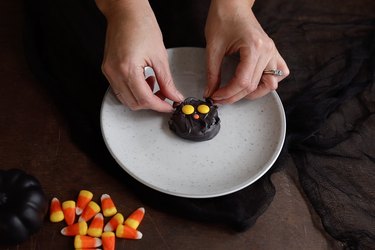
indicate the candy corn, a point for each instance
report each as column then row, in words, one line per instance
column 108, row 240
column 108, row 206
column 114, row 222
column 79, row 228
column 90, row 211
column 82, row 241
column 135, row 218
column 94, row 235
column 126, row 232
column 96, row 227
column 56, row 213
column 69, row 210
column 84, row 197
column 87, row 248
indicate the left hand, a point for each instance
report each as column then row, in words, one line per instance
column 232, row 27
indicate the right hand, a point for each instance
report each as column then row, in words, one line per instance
column 232, row 27
column 133, row 41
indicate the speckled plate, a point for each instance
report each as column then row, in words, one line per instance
column 250, row 140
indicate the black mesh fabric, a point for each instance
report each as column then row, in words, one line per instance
column 329, row 100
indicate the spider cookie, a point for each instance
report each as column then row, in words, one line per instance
column 195, row 120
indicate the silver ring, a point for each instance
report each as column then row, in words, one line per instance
column 274, row 72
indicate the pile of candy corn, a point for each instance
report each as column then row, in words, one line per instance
column 89, row 230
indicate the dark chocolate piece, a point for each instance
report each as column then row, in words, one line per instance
column 195, row 119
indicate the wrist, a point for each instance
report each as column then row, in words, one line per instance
column 232, row 3
column 230, row 9
column 111, row 8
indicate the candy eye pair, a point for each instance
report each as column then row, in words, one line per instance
column 189, row 109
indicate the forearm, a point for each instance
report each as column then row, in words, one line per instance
column 233, row 2
column 130, row 8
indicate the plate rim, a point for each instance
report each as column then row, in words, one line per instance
column 235, row 188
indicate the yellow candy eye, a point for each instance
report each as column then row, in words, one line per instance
column 188, row 109
column 203, row 109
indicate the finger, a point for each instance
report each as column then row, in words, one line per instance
column 144, row 97
column 238, row 96
column 151, row 80
column 120, row 90
column 261, row 90
column 281, row 64
column 124, row 95
column 214, row 59
column 242, row 81
column 269, row 83
column 165, row 81
column 159, row 105
column 266, row 83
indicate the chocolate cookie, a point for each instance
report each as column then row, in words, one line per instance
column 195, row 119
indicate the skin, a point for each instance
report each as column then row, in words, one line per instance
column 134, row 40
column 231, row 27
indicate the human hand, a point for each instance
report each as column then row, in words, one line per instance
column 231, row 27
column 133, row 41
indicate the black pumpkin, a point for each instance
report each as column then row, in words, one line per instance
column 23, row 206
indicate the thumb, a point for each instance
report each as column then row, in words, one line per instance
column 166, row 84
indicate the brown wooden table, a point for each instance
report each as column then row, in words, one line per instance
column 34, row 137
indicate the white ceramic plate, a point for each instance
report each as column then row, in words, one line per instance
column 250, row 140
